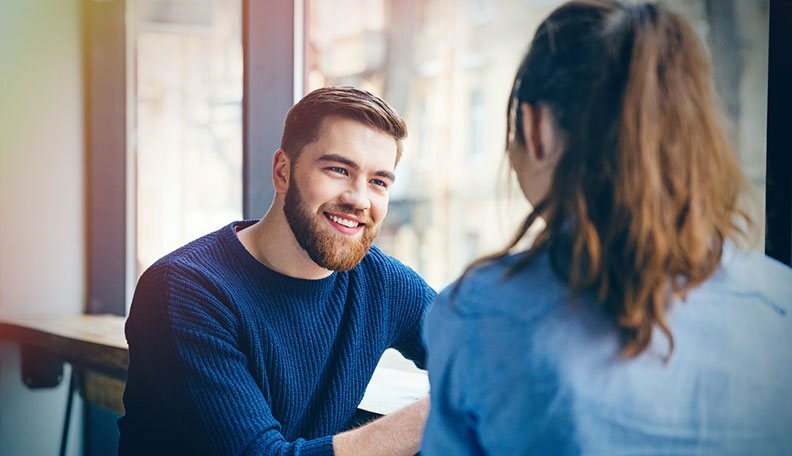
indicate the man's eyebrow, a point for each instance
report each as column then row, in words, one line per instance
column 386, row 174
column 339, row 159
column 344, row 160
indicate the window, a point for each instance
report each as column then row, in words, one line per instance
column 424, row 56
column 481, row 11
column 434, row 60
column 736, row 34
column 476, row 124
column 448, row 71
column 187, row 135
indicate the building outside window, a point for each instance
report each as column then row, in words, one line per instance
column 186, row 139
column 448, row 65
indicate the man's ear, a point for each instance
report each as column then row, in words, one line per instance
column 281, row 171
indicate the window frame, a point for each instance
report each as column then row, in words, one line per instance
column 778, row 203
column 105, row 69
column 274, row 31
column 271, row 32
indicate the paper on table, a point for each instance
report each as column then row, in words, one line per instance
column 391, row 389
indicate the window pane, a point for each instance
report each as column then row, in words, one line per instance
column 188, row 112
column 447, row 66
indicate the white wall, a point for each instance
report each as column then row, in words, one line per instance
column 42, row 248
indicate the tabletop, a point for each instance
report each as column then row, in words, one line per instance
column 97, row 343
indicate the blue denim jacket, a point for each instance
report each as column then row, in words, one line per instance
column 523, row 367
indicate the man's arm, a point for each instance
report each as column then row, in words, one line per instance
column 417, row 297
column 396, row 434
column 182, row 340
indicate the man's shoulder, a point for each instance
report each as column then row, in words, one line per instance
column 379, row 263
column 193, row 262
column 194, row 279
column 376, row 256
column 393, row 277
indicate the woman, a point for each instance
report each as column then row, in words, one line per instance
column 632, row 324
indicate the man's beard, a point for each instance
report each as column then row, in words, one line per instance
column 330, row 251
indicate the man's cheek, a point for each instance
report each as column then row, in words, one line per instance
column 380, row 212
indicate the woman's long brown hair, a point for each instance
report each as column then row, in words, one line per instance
column 648, row 188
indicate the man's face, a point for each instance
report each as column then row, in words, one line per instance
column 338, row 192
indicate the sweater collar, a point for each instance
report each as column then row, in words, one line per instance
column 275, row 278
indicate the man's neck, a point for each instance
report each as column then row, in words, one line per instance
column 272, row 242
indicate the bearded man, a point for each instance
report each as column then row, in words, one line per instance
column 260, row 338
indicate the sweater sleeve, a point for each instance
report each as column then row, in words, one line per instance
column 415, row 299
column 184, row 341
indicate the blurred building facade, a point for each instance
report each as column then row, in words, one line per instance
column 447, row 66
column 185, row 137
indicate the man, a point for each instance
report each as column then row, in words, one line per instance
column 260, row 338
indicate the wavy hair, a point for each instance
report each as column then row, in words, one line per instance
column 648, row 188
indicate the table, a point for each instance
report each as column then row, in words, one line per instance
column 96, row 346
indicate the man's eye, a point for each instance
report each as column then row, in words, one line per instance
column 338, row 170
column 379, row 183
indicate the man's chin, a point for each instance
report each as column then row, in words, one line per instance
column 344, row 258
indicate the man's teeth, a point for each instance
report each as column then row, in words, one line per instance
column 345, row 222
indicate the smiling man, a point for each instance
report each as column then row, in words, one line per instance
column 260, row 338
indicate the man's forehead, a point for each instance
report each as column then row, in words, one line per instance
column 354, row 140
column 331, row 124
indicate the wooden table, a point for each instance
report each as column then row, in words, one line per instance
column 96, row 346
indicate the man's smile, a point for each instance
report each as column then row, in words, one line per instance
column 344, row 223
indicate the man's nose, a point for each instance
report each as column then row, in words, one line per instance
column 356, row 195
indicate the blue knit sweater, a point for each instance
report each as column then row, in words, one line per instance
column 227, row 356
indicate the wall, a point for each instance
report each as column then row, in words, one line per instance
column 42, row 254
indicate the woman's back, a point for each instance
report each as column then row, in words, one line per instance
column 647, row 332
column 520, row 366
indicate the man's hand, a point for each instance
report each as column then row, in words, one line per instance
column 396, row 434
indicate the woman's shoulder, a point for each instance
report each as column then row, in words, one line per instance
column 751, row 272
column 508, row 287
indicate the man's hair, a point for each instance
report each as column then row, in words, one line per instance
column 304, row 120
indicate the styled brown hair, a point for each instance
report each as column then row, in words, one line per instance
column 646, row 190
column 304, row 119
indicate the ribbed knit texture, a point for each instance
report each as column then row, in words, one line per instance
column 230, row 357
